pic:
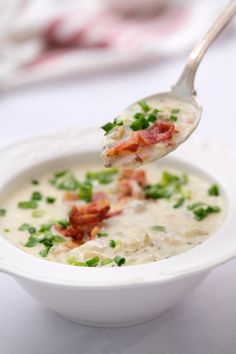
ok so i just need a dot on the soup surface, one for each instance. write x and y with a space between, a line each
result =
90 216
147 131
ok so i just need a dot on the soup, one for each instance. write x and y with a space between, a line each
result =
90 216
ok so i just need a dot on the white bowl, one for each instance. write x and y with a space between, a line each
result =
111 297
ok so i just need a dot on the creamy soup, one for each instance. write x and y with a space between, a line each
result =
147 131
89 216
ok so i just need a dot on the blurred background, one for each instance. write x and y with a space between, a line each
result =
78 63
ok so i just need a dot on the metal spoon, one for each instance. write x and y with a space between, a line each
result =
183 90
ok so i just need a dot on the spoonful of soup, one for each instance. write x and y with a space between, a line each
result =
158 124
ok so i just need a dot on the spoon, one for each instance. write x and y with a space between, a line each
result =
182 94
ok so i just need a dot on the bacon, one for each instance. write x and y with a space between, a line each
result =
137 175
157 133
84 220
113 213
131 183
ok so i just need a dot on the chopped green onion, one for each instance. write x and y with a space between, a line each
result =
86 191
175 110
63 223
46 227
48 241
119 260
37 213
50 200
36 196
202 210
106 261
159 228
6 230
173 118
31 204
139 124
152 117
214 190
157 191
110 125
102 234
139 115
32 241
35 182
179 203
64 180
93 262
2 212
72 261
103 177
112 243
145 107
27 227
44 252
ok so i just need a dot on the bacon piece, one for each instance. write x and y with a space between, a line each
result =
137 175
113 213
157 133
93 232
131 183
84 220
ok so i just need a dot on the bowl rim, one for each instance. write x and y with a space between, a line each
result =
218 158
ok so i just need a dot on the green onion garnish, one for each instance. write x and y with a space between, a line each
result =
103 177
63 223
214 190
175 110
179 203
37 213
32 241
102 234
145 107
112 243
35 182
159 228
93 262
106 261
36 196
85 191
31 204
110 125
27 227
64 180
50 200
202 210
173 118
2 212
74 262
119 260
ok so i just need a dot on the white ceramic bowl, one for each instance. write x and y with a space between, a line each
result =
124 295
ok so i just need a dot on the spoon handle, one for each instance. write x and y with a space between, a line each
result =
185 84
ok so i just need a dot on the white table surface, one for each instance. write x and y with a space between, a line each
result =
205 321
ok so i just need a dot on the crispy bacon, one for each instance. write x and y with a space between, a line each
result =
157 133
131 183
84 220
137 175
